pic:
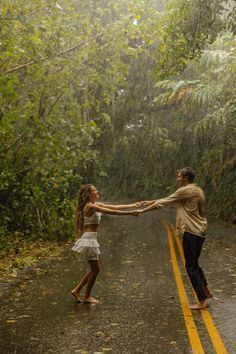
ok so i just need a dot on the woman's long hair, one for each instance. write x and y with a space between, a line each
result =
83 199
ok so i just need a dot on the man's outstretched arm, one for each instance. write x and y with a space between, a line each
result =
172 199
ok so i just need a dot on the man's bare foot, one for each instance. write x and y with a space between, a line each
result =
199 305
90 300
207 292
76 296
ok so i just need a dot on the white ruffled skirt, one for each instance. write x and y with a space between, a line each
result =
87 246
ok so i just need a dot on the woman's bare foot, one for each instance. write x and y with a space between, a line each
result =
90 300
76 296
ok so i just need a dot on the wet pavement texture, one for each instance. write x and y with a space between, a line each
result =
139 309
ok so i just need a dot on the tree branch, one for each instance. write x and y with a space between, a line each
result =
79 45
69 50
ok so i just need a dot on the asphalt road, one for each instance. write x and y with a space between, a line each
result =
140 309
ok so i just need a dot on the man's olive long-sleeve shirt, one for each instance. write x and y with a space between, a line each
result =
190 204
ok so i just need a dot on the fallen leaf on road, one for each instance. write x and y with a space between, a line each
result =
23 316
98 334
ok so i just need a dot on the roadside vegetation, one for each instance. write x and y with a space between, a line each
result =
117 93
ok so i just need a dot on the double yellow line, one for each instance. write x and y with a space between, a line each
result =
188 317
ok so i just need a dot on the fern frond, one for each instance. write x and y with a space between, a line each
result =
216 57
177 90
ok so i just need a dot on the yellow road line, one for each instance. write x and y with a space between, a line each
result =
212 330
188 317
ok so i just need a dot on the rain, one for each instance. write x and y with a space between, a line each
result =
120 95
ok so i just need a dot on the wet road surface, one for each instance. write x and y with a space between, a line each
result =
139 309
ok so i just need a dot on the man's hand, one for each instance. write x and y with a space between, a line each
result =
150 206
139 211
134 213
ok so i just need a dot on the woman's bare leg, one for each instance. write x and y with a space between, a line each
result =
76 291
95 268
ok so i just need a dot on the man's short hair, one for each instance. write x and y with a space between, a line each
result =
189 173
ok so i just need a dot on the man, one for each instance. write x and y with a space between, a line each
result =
189 201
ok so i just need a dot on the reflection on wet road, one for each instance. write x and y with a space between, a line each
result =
140 310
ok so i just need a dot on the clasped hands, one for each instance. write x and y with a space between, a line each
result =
140 204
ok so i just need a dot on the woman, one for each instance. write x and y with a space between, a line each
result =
88 215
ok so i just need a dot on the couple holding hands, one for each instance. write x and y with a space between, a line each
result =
189 201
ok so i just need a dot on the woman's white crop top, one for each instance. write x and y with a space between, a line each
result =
93 219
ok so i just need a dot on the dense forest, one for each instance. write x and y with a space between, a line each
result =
119 93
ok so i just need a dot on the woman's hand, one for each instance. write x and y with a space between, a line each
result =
134 213
141 203
137 212
138 204
147 202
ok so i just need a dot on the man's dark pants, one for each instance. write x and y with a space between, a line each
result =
192 245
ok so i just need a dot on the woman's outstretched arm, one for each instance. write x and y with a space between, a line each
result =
121 206
101 209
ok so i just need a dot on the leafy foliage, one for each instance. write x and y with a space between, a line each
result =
80 103
210 101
